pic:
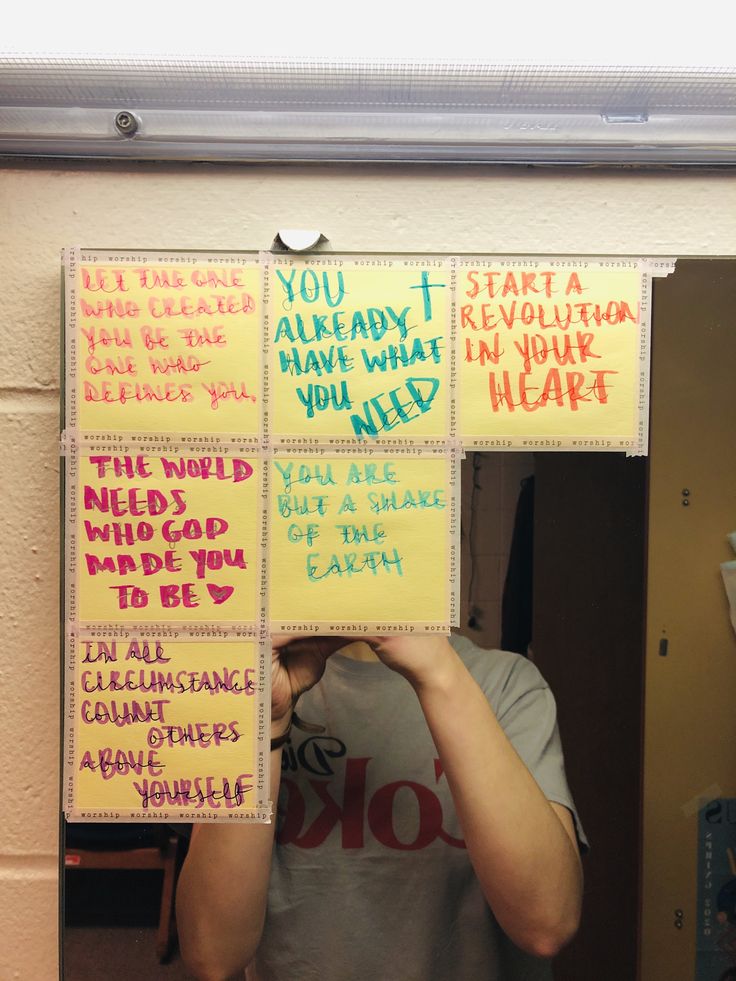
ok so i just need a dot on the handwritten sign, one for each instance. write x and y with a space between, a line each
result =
549 353
163 727
359 541
173 347
168 537
359 348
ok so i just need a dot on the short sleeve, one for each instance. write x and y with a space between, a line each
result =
528 715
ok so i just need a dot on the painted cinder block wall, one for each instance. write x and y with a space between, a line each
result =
45 207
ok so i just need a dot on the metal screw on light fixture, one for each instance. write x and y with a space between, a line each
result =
127 123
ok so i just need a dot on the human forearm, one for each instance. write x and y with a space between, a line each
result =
223 888
222 892
527 865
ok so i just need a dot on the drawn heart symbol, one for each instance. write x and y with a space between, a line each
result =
219 594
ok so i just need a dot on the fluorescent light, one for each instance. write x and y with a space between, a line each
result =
299 110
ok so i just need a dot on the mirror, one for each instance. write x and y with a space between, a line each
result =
118 908
614 538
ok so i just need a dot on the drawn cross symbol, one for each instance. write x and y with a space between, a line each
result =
425 286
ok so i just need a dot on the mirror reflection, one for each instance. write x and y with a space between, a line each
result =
609 538
120 879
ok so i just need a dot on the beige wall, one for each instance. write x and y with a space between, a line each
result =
45 208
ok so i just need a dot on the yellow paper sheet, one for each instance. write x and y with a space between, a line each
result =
548 350
169 348
359 348
163 727
168 537
359 541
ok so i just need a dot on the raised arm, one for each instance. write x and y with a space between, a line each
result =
223 886
522 847
221 894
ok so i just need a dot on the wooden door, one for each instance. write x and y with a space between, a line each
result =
588 633
690 731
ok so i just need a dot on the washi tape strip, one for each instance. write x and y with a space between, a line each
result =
267 358
659 267
453 545
405 449
650 269
168 630
642 369
452 420
72 524
360 627
264 531
70 269
70 711
199 444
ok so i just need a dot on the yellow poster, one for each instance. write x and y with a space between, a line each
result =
169 537
359 347
548 353
168 346
359 541
163 727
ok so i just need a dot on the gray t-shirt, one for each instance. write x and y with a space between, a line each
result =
370 878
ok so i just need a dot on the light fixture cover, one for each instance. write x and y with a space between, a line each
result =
298 110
